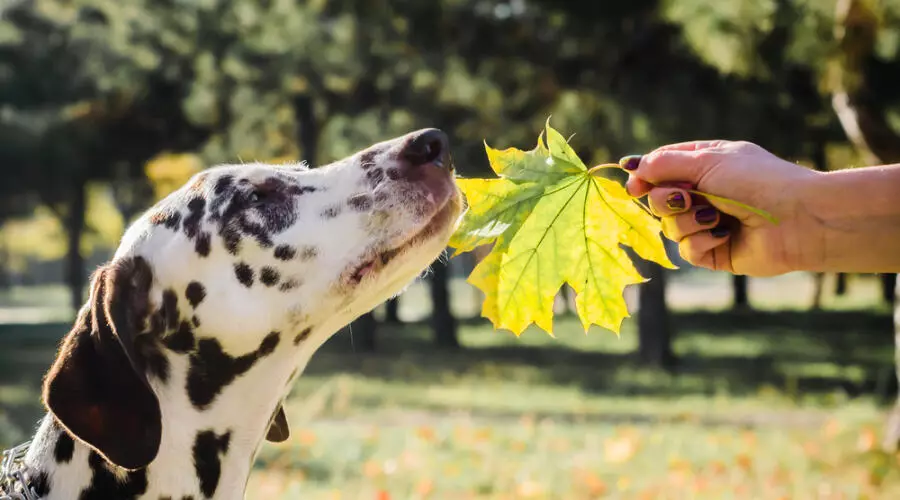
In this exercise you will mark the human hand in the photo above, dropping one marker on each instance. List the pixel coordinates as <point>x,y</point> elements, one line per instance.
<point>723,236</point>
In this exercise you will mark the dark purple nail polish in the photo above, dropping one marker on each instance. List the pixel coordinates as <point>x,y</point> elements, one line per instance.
<point>706,215</point>
<point>719,231</point>
<point>675,201</point>
<point>630,162</point>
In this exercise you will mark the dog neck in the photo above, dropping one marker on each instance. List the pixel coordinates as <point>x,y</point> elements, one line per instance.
<point>209,439</point>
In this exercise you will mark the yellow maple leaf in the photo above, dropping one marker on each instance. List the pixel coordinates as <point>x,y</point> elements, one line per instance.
<point>552,221</point>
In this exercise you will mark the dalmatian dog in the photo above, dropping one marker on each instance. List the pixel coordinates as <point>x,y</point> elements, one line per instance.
<point>176,368</point>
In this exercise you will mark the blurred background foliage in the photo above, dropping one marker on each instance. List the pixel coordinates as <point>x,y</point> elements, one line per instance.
<point>108,105</point>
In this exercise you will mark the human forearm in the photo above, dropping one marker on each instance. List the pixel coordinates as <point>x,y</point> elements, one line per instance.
<point>854,221</point>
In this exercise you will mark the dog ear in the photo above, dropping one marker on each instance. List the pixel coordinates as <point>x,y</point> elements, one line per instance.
<point>278,429</point>
<point>97,387</point>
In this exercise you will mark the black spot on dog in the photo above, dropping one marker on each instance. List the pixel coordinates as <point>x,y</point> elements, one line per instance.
<point>153,360</point>
<point>181,340</point>
<point>195,293</point>
<point>64,448</point>
<point>269,276</point>
<point>367,160</point>
<point>285,252</point>
<point>393,174</point>
<point>223,184</point>
<point>170,308</point>
<point>309,253</point>
<point>303,335</point>
<point>289,285</point>
<point>375,176</point>
<point>257,231</point>
<point>195,320</point>
<point>244,274</point>
<point>40,482</point>
<point>299,190</point>
<point>330,212</point>
<point>209,449</point>
<point>360,202</point>
<point>203,245</point>
<point>231,238</point>
<point>191,224</point>
<point>211,369</point>
<point>170,220</point>
<point>105,485</point>
<point>381,197</point>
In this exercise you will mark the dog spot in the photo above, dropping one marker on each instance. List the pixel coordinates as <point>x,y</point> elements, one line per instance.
<point>209,449</point>
<point>309,253</point>
<point>203,244</point>
<point>381,197</point>
<point>289,285</point>
<point>269,276</point>
<point>211,369</point>
<point>195,320</point>
<point>393,174</point>
<point>285,252</point>
<point>367,160</point>
<point>181,340</point>
<point>223,184</point>
<point>299,190</point>
<point>191,223</point>
<point>170,220</point>
<point>195,293</point>
<point>231,238</point>
<point>244,274</point>
<point>303,335</point>
<point>154,361</point>
<point>375,176</point>
<point>360,202</point>
<point>330,212</point>
<point>170,308</point>
<point>105,485</point>
<point>64,447</point>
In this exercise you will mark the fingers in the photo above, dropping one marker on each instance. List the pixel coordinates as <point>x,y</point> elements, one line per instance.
<point>708,249</point>
<point>666,201</point>
<point>701,218</point>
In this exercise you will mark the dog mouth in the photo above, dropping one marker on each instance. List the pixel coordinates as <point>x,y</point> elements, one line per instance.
<point>378,259</point>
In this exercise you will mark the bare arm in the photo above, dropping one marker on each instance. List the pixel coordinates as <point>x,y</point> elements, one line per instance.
<point>854,221</point>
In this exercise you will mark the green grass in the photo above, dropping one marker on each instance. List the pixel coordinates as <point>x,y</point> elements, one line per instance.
<point>762,405</point>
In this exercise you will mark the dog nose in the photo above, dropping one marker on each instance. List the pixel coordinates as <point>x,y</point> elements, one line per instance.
<point>428,146</point>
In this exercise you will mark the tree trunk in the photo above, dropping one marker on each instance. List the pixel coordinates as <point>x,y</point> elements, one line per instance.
<point>391,311</point>
<point>74,263</point>
<point>740,293</point>
<point>654,328</point>
<point>892,428</point>
<point>888,287</point>
<point>818,290</point>
<point>865,122</point>
<point>840,284</point>
<point>442,319</point>
<point>307,128</point>
<point>362,331</point>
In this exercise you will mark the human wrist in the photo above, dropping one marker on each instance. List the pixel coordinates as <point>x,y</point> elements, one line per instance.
<point>848,220</point>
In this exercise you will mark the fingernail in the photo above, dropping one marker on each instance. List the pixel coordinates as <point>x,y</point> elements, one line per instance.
<point>705,215</point>
<point>675,201</point>
<point>719,231</point>
<point>630,162</point>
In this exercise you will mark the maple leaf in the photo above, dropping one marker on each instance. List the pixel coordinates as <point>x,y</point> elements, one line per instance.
<point>552,221</point>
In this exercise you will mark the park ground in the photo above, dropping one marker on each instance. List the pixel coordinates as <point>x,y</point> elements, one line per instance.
<point>777,403</point>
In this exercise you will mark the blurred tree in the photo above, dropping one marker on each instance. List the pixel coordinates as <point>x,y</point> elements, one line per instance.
<point>863,78</point>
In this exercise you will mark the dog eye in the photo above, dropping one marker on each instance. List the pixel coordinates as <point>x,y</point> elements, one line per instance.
<point>257,197</point>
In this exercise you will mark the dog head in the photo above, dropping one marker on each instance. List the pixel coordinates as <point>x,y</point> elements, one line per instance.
<point>240,264</point>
